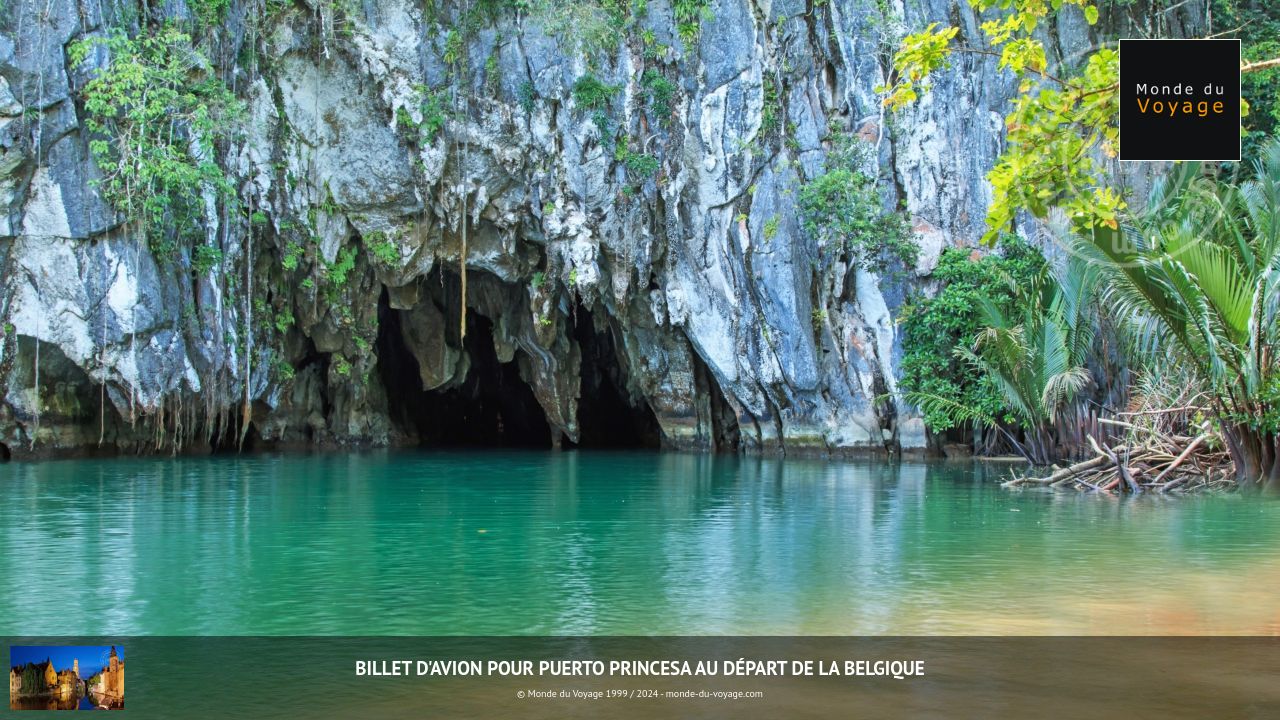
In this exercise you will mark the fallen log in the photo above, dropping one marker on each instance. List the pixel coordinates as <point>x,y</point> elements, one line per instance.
<point>1178,461</point>
<point>1080,467</point>
<point>1059,475</point>
<point>1162,465</point>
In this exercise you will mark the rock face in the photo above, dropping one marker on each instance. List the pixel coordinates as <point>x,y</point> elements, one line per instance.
<point>394,173</point>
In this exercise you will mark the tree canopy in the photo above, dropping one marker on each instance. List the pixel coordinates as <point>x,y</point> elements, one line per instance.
<point>1060,125</point>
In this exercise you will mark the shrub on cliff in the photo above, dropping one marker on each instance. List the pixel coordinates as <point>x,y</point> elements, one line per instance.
<point>842,210</point>
<point>155,111</point>
<point>932,328</point>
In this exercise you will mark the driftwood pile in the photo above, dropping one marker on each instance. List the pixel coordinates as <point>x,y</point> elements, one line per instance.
<point>1152,457</point>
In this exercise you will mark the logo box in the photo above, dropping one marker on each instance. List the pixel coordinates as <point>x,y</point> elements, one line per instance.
<point>1180,99</point>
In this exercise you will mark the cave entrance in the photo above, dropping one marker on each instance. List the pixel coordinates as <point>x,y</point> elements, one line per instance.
<point>491,407</point>
<point>608,415</point>
<point>230,441</point>
<point>726,435</point>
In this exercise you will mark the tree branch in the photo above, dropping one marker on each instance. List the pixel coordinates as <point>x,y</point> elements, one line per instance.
<point>1260,65</point>
<point>992,53</point>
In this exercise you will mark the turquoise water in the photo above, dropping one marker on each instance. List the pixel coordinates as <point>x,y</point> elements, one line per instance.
<point>612,543</point>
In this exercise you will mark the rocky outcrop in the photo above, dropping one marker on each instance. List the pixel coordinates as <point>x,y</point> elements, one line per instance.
<point>399,169</point>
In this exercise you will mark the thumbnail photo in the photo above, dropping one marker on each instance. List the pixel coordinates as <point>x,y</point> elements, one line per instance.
<point>60,677</point>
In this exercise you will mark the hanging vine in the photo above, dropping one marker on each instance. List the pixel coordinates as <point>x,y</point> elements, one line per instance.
<point>154,113</point>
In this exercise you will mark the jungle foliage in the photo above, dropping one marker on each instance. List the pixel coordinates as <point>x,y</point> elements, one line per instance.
<point>155,110</point>
<point>933,327</point>
<point>1195,279</point>
<point>1257,24</point>
<point>1191,281</point>
<point>1031,349</point>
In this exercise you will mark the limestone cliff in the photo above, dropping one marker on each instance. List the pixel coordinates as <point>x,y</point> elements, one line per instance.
<point>387,144</point>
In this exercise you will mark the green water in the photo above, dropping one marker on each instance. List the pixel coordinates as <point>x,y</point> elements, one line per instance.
<point>612,543</point>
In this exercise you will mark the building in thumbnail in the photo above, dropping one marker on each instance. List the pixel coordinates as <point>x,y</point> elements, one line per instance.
<point>110,686</point>
<point>69,680</point>
<point>34,678</point>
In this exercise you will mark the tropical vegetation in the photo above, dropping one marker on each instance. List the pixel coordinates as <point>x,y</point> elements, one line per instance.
<point>842,210</point>
<point>155,112</point>
<point>1195,278</point>
<point>1190,281</point>
<point>1030,352</point>
<point>933,326</point>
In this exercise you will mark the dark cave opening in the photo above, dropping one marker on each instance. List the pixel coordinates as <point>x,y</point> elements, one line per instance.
<point>491,407</point>
<point>229,441</point>
<point>726,435</point>
<point>608,417</point>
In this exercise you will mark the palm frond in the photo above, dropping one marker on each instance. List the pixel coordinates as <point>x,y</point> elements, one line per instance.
<point>1218,277</point>
<point>1062,388</point>
<point>958,412</point>
<point>1003,372</point>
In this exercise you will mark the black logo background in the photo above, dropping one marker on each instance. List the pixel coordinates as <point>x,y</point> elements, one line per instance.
<point>1181,137</point>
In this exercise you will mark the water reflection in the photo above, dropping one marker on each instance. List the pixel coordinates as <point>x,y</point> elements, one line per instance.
<point>51,703</point>
<point>612,543</point>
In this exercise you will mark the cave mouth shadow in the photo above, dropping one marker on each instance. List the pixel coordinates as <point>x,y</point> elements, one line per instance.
<point>230,442</point>
<point>608,415</point>
<point>493,406</point>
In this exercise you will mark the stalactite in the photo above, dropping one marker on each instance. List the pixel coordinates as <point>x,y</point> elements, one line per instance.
<point>158,421</point>
<point>462,265</point>
<point>39,153</point>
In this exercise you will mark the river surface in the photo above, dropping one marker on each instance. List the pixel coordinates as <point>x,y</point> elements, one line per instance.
<point>576,543</point>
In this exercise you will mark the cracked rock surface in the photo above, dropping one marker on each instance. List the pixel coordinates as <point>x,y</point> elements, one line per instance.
<point>686,307</point>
